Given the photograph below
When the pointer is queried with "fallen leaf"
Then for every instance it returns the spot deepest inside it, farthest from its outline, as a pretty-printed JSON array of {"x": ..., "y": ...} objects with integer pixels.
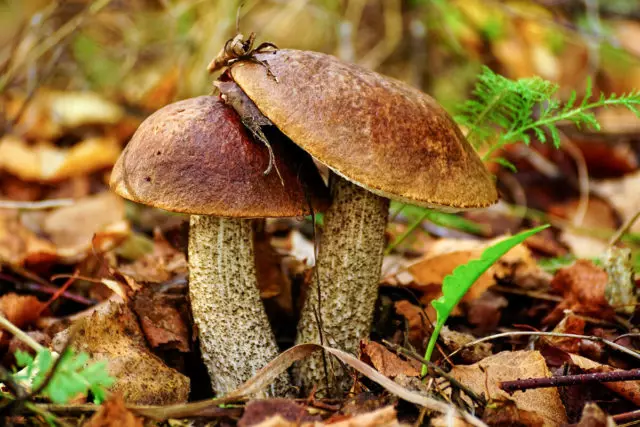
[
  {"x": 161, "y": 321},
  {"x": 74, "y": 109},
  {"x": 484, "y": 378},
  {"x": 507, "y": 413},
  {"x": 385, "y": 417},
  {"x": 21, "y": 246},
  {"x": 455, "y": 340},
  {"x": 113, "y": 413},
  {"x": 45, "y": 162},
  {"x": 162, "y": 264},
  {"x": 111, "y": 333},
  {"x": 258, "y": 411},
  {"x": 630, "y": 390},
  {"x": 570, "y": 324},
  {"x": 418, "y": 321},
  {"x": 583, "y": 287},
  {"x": 98, "y": 219},
  {"x": 387, "y": 363},
  {"x": 621, "y": 291},
  {"x": 21, "y": 310}
]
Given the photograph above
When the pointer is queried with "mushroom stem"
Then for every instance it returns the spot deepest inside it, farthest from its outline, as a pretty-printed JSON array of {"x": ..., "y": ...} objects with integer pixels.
[
  {"x": 348, "y": 271},
  {"x": 236, "y": 339}
]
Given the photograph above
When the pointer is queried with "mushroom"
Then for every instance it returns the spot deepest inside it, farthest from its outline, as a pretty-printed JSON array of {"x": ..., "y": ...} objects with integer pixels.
[
  {"x": 196, "y": 157},
  {"x": 382, "y": 139}
]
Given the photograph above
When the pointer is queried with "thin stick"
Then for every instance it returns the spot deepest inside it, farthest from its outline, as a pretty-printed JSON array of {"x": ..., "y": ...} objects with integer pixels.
[
  {"x": 18, "y": 333},
  {"x": 549, "y": 334},
  {"x": 565, "y": 380},
  {"x": 625, "y": 228}
]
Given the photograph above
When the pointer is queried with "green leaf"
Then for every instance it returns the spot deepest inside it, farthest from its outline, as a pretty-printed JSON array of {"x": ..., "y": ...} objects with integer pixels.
[
  {"x": 74, "y": 375},
  {"x": 456, "y": 284}
]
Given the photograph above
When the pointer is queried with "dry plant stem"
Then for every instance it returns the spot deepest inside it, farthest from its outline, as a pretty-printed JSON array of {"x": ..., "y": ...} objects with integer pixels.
[
  {"x": 348, "y": 271},
  {"x": 566, "y": 380},
  {"x": 235, "y": 336}
]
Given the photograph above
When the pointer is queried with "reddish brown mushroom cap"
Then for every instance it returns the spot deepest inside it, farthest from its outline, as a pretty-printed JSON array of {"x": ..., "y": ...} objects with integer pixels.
[
  {"x": 375, "y": 131},
  {"x": 195, "y": 156}
]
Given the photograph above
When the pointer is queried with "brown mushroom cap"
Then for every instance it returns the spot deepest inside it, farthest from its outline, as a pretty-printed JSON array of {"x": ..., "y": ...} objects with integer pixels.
[
  {"x": 195, "y": 156},
  {"x": 375, "y": 131}
]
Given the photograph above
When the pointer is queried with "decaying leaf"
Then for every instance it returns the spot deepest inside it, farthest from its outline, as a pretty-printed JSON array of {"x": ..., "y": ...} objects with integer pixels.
[
  {"x": 387, "y": 363},
  {"x": 76, "y": 229},
  {"x": 630, "y": 390},
  {"x": 113, "y": 413},
  {"x": 112, "y": 333},
  {"x": 507, "y": 413},
  {"x": 259, "y": 411},
  {"x": 484, "y": 378},
  {"x": 19, "y": 245},
  {"x": 417, "y": 321},
  {"x": 162, "y": 264},
  {"x": 160, "y": 320},
  {"x": 570, "y": 324},
  {"x": 582, "y": 285}
]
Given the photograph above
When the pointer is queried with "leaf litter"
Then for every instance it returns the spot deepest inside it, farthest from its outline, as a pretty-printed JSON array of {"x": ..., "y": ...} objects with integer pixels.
[{"x": 80, "y": 265}]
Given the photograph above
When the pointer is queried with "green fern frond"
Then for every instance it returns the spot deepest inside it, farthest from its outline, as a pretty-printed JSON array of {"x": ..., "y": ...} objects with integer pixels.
[
  {"x": 73, "y": 375},
  {"x": 501, "y": 110}
]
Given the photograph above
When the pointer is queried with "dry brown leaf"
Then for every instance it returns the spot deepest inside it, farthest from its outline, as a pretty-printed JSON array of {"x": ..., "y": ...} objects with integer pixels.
[
  {"x": 387, "y": 363},
  {"x": 162, "y": 264},
  {"x": 21, "y": 310},
  {"x": 484, "y": 377},
  {"x": 161, "y": 321},
  {"x": 113, "y": 413},
  {"x": 45, "y": 162},
  {"x": 418, "y": 321},
  {"x": 455, "y": 340},
  {"x": 570, "y": 324},
  {"x": 583, "y": 286},
  {"x": 111, "y": 333},
  {"x": 72, "y": 228},
  {"x": 507, "y": 413},
  {"x": 384, "y": 417},
  {"x": 19, "y": 245},
  {"x": 630, "y": 390},
  {"x": 258, "y": 411}
]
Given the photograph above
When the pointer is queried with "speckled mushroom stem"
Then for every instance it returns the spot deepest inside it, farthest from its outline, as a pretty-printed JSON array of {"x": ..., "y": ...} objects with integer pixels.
[
  {"x": 235, "y": 336},
  {"x": 348, "y": 270}
]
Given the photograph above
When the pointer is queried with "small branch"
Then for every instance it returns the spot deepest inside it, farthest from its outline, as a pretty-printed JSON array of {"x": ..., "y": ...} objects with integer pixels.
[
  {"x": 611, "y": 344},
  {"x": 566, "y": 380},
  {"x": 626, "y": 417}
]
